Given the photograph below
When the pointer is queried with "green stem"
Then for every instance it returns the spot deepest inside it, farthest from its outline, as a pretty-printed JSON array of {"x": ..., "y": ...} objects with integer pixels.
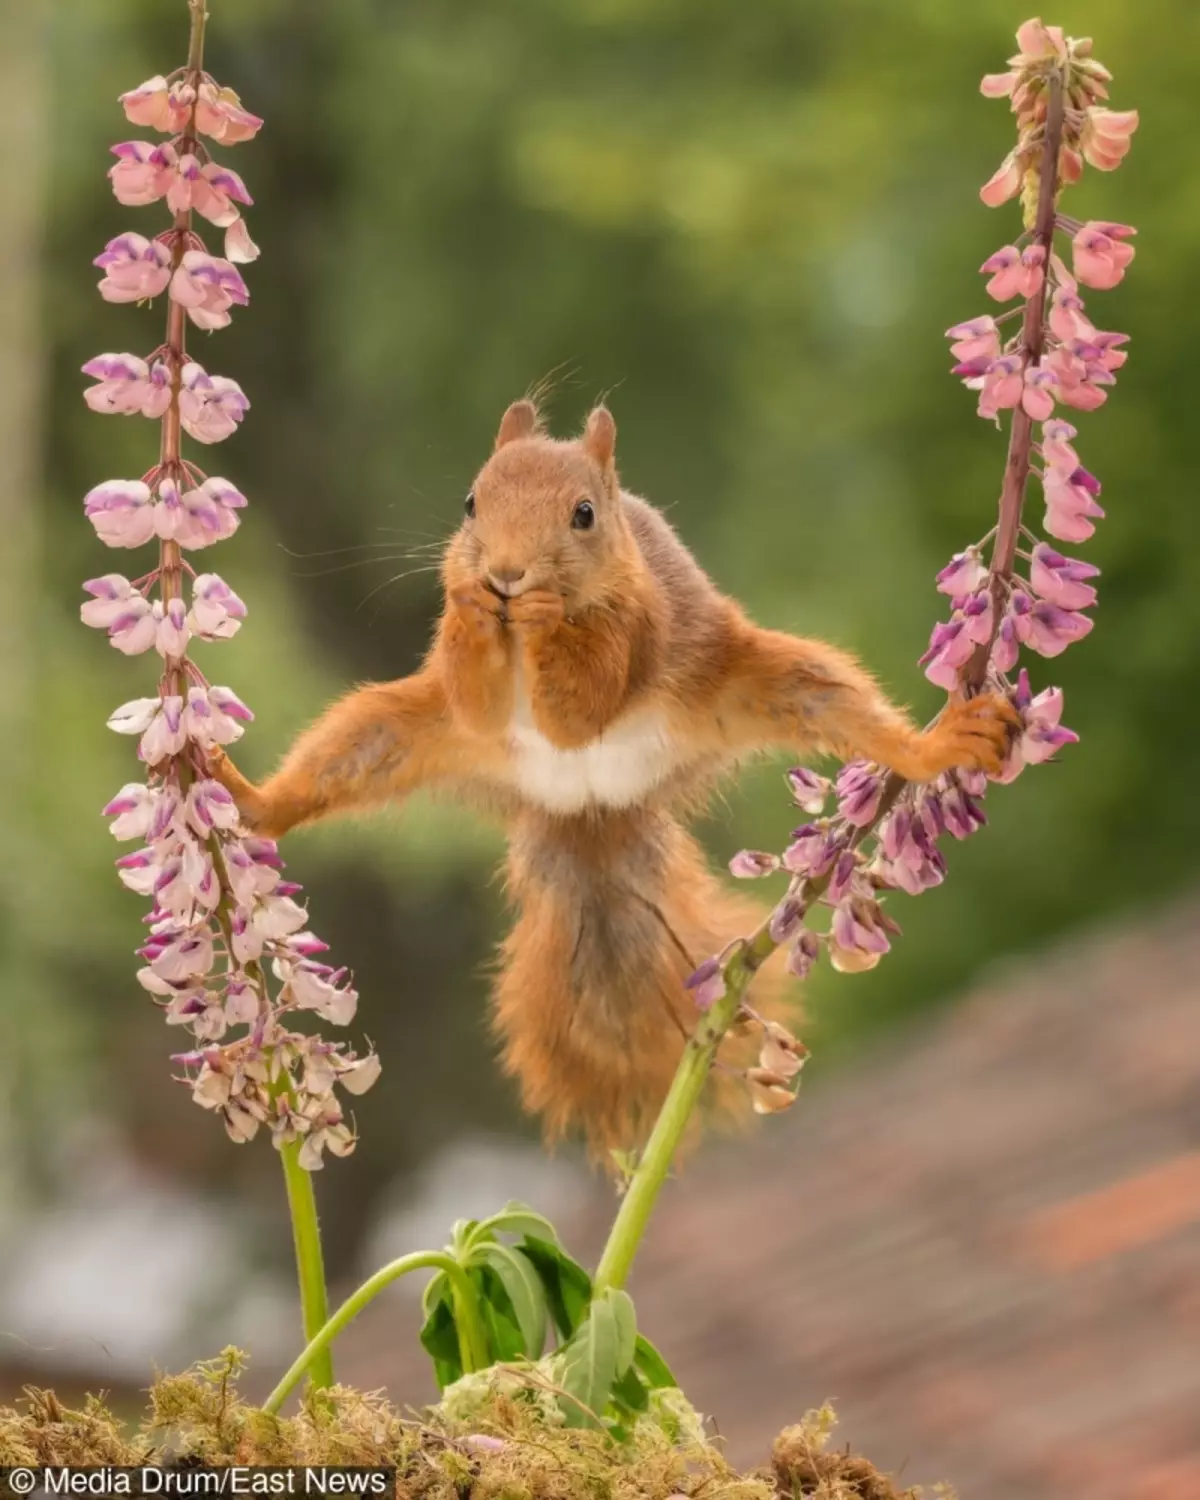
[
  {"x": 682, "y": 1098},
  {"x": 310, "y": 1268},
  {"x": 472, "y": 1339}
]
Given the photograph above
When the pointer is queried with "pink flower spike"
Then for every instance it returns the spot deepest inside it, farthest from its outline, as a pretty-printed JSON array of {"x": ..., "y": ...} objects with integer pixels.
[
  {"x": 1062, "y": 580},
  {"x": 134, "y": 267},
  {"x": 1004, "y": 183}
]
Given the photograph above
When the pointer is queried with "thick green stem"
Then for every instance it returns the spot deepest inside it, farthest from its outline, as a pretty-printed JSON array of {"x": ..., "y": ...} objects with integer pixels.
[
  {"x": 310, "y": 1268},
  {"x": 472, "y": 1339}
]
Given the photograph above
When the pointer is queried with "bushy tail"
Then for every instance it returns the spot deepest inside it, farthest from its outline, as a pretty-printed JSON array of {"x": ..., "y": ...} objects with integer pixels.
[{"x": 615, "y": 911}]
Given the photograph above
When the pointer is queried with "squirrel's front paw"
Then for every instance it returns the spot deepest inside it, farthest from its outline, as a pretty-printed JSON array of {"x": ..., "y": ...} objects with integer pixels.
[
  {"x": 973, "y": 734},
  {"x": 479, "y": 608},
  {"x": 539, "y": 609},
  {"x": 245, "y": 794}
]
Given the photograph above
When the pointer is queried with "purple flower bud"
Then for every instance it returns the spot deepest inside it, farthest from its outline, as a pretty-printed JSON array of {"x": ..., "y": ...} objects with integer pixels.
[
  {"x": 707, "y": 984},
  {"x": 785, "y": 919}
]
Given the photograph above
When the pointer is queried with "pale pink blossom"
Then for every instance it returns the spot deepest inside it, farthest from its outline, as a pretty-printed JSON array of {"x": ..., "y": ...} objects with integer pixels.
[
  {"x": 211, "y": 190},
  {"x": 1013, "y": 272},
  {"x": 1038, "y": 43},
  {"x": 1106, "y": 136},
  {"x": 977, "y": 339},
  {"x": 1100, "y": 254},
  {"x": 221, "y": 115},
  {"x": 143, "y": 173},
  {"x": 1005, "y": 181},
  {"x": 1041, "y": 385},
  {"x": 157, "y": 105},
  {"x": 122, "y": 511},
  {"x": 214, "y": 716},
  {"x": 208, "y": 287},
  {"x": 135, "y": 810},
  {"x": 1062, "y": 580},
  {"x": 210, "y": 406},
  {"x": 209, "y": 806},
  {"x": 1003, "y": 385},
  {"x": 217, "y": 612},
  {"x": 1067, "y": 318},
  {"x": 991, "y": 85},
  {"x": 1071, "y": 505},
  {"x": 857, "y": 938},
  {"x": 963, "y": 574},
  {"x": 134, "y": 267},
  {"x": 808, "y": 790},
  {"x": 1046, "y": 628},
  {"x": 128, "y": 386},
  {"x": 950, "y": 648},
  {"x": 239, "y": 247},
  {"x": 1042, "y": 735}
]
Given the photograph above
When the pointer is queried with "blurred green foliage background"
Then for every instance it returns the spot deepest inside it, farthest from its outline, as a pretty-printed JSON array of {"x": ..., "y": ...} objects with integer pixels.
[{"x": 747, "y": 226}]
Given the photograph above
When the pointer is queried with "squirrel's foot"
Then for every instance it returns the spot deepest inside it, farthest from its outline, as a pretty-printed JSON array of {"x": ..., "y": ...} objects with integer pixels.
[
  {"x": 245, "y": 794},
  {"x": 973, "y": 734},
  {"x": 538, "y": 609}
]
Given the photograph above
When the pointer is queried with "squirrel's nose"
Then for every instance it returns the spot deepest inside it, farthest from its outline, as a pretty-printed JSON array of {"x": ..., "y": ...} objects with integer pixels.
[{"x": 504, "y": 580}]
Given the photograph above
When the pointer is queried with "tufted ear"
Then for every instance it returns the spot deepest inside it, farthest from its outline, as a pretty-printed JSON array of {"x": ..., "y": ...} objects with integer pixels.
[
  {"x": 521, "y": 420},
  {"x": 600, "y": 436}
]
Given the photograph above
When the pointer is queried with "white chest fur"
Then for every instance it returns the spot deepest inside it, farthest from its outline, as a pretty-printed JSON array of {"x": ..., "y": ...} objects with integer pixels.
[{"x": 618, "y": 769}]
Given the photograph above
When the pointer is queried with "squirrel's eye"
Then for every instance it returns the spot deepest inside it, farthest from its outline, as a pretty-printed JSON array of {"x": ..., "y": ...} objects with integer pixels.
[
  {"x": 469, "y": 506},
  {"x": 585, "y": 516}
]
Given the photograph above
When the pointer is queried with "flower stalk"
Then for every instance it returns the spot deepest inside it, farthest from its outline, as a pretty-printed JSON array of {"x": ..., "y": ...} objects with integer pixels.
[
  {"x": 223, "y": 923},
  {"x": 885, "y": 833}
]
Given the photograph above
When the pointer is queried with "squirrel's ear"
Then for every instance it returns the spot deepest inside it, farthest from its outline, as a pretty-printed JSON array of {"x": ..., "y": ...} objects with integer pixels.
[
  {"x": 600, "y": 436},
  {"x": 521, "y": 420}
]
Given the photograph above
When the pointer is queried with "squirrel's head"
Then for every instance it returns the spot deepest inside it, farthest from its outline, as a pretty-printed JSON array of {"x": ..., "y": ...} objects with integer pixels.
[{"x": 545, "y": 514}]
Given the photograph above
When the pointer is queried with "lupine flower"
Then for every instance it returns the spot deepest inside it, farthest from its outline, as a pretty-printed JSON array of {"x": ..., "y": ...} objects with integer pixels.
[
  {"x": 803, "y": 954},
  {"x": 809, "y": 791},
  {"x": 1041, "y": 384},
  {"x": 977, "y": 339},
  {"x": 128, "y": 386},
  {"x": 950, "y": 647},
  {"x": 1070, "y": 504},
  {"x": 208, "y": 287},
  {"x": 1062, "y": 580},
  {"x": 786, "y": 919},
  {"x": 122, "y": 511},
  {"x": 212, "y": 190},
  {"x": 1005, "y": 182},
  {"x": 220, "y": 114},
  {"x": 963, "y": 574},
  {"x": 1042, "y": 734},
  {"x": 859, "y": 788},
  {"x": 143, "y": 172},
  {"x": 210, "y": 406},
  {"x": 158, "y": 105},
  {"x": 1047, "y": 628},
  {"x": 751, "y": 864},
  {"x": 1106, "y": 133},
  {"x": 857, "y": 938},
  {"x": 707, "y": 984},
  {"x": 1013, "y": 272},
  {"x": 1100, "y": 253},
  {"x": 1003, "y": 385},
  {"x": 217, "y": 612},
  {"x": 769, "y": 1092},
  {"x": 134, "y": 267}
]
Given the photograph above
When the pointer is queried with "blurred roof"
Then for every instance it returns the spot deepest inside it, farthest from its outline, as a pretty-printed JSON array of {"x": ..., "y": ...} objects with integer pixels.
[{"x": 982, "y": 1243}]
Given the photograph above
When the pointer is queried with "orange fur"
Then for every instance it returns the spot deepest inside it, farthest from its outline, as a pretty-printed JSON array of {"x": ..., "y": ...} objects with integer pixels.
[{"x": 587, "y": 682}]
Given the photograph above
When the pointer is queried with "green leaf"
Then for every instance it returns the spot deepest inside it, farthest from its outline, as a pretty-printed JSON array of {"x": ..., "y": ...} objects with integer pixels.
[
  {"x": 652, "y": 1366},
  {"x": 505, "y": 1339},
  {"x": 596, "y": 1355},
  {"x": 436, "y": 1291},
  {"x": 439, "y": 1336},
  {"x": 516, "y": 1218},
  {"x": 567, "y": 1285},
  {"x": 523, "y": 1287},
  {"x": 630, "y": 1393}
]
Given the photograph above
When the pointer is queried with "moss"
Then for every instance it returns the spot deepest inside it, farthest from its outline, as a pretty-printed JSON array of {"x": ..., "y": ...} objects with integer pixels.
[{"x": 491, "y": 1441}]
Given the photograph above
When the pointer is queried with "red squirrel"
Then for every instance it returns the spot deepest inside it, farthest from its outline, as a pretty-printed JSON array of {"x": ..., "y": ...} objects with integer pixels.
[{"x": 588, "y": 683}]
